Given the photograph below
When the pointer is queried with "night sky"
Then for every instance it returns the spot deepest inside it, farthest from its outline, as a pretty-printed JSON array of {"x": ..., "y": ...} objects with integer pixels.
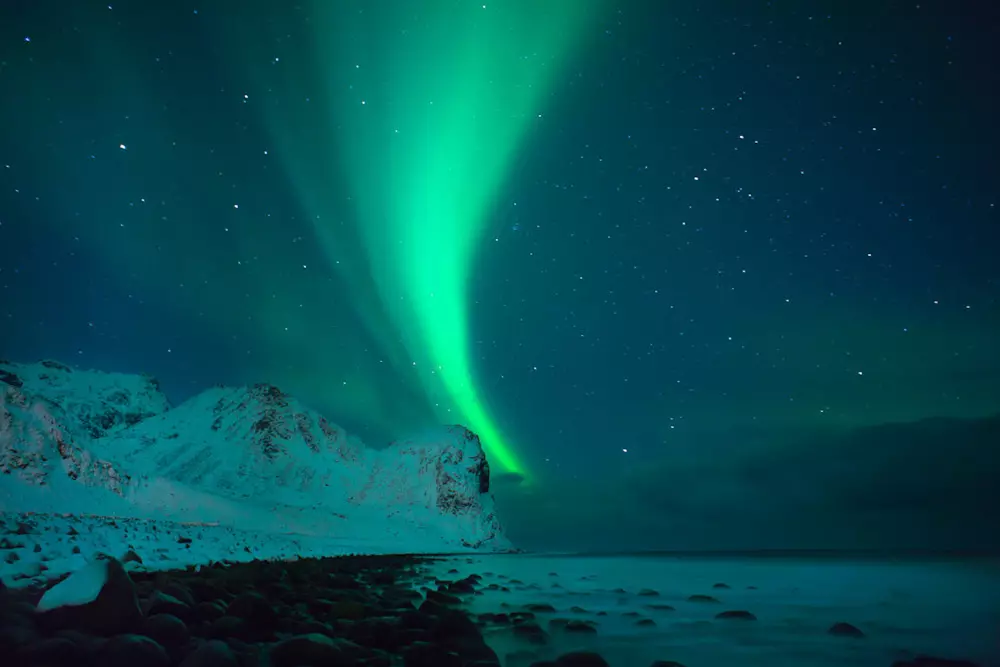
[{"x": 701, "y": 275}]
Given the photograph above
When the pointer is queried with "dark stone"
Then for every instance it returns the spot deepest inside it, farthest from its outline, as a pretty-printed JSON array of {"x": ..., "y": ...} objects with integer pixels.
[
  {"x": 581, "y": 627},
  {"x": 659, "y": 607},
  {"x": 475, "y": 652},
  {"x": 133, "y": 650},
  {"x": 114, "y": 611},
  {"x": 212, "y": 653},
  {"x": 305, "y": 650},
  {"x": 462, "y": 586},
  {"x": 162, "y": 603},
  {"x": 22, "y": 609},
  {"x": 180, "y": 592},
  {"x": 310, "y": 627},
  {"x": 11, "y": 379},
  {"x": 423, "y": 654},
  {"x": 431, "y": 608},
  {"x": 453, "y": 625},
  {"x": 645, "y": 622},
  {"x": 229, "y": 626},
  {"x": 845, "y": 630},
  {"x": 166, "y": 630},
  {"x": 931, "y": 661},
  {"x": 317, "y": 605},
  {"x": 519, "y": 656},
  {"x": 415, "y": 620},
  {"x": 721, "y": 585},
  {"x": 15, "y": 633},
  {"x": 87, "y": 644},
  {"x": 349, "y": 609},
  {"x": 373, "y": 632},
  {"x": 54, "y": 652},
  {"x": 665, "y": 663},
  {"x": 382, "y": 659},
  {"x": 581, "y": 659},
  {"x": 206, "y": 589},
  {"x": 648, "y": 592},
  {"x": 738, "y": 614},
  {"x": 442, "y": 598},
  {"x": 701, "y": 598},
  {"x": 261, "y": 618},
  {"x": 408, "y": 636},
  {"x": 532, "y": 632},
  {"x": 209, "y": 611},
  {"x": 345, "y": 582},
  {"x": 540, "y": 608}
]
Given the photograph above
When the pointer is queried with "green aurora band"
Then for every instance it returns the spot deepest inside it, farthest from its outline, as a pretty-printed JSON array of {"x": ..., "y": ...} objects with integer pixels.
[
  {"x": 445, "y": 103},
  {"x": 424, "y": 108}
]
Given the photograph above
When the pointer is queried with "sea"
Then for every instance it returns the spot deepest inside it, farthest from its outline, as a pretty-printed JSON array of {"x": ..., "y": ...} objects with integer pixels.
[{"x": 945, "y": 606}]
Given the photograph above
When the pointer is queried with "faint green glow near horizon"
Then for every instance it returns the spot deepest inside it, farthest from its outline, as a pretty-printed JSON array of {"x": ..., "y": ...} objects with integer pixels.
[{"x": 441, "y": 104}]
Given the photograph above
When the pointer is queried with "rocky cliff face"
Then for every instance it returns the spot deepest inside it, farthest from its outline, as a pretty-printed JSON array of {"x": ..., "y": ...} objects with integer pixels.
[
  {"x": 49, "y": 413},
  {"x": 455, "y": 467},
  {"x": 253, "y": 445}
]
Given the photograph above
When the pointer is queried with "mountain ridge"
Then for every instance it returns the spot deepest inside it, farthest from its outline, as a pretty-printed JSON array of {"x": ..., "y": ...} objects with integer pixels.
[{"x": 252, "y": 458}]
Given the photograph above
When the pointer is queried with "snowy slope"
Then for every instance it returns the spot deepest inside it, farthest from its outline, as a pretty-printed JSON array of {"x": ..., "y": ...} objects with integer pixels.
[
  {"x": 91, "y": 402},
  {"x": 259, "y": 445},
  {"x": 244, "y": 443},
  {"x": 86, "y": 443},
  {"x": 49, "y": 413}
]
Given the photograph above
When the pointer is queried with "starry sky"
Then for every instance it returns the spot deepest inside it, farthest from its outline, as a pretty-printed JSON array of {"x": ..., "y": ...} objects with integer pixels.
[{"x": 701, "y": 275}]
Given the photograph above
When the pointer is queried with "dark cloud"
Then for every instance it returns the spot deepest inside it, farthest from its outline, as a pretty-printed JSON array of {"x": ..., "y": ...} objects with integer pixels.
[{"x": 928, "y": 484}]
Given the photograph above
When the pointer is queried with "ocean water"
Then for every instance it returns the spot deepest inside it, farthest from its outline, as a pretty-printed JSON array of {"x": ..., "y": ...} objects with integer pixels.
[{"x": 945, "y": 607}]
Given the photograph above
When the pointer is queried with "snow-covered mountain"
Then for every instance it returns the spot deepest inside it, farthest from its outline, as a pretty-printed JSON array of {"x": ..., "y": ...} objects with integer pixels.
[
  {"x": 50, "y": 413},
  {"x": 249, "y": 458}
]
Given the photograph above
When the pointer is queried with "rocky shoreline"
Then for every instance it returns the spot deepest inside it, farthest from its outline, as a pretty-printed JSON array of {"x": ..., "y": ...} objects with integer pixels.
[{"x": 351, "y": 611}]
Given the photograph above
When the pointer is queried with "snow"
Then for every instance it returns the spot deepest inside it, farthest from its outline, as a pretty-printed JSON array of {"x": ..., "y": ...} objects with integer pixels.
[
  {"x": 79, "y": 588},
  {"x": 259, "y": 474},
  {"x": 91, "y": 402}
]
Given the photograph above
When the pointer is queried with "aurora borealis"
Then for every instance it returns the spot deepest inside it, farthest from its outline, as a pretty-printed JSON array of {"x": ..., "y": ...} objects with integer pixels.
[
  {"x": 443, "y": 110},
  {"x": 426, "y": 137},
  {"x": 652, "y": 254},
  {"x": 437, "y": 108}
]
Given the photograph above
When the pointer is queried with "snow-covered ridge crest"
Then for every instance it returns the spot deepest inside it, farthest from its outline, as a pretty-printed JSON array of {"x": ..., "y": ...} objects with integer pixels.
[
  {"x": 48, "y": 414},
  {"x": 250, "y": 458}
]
